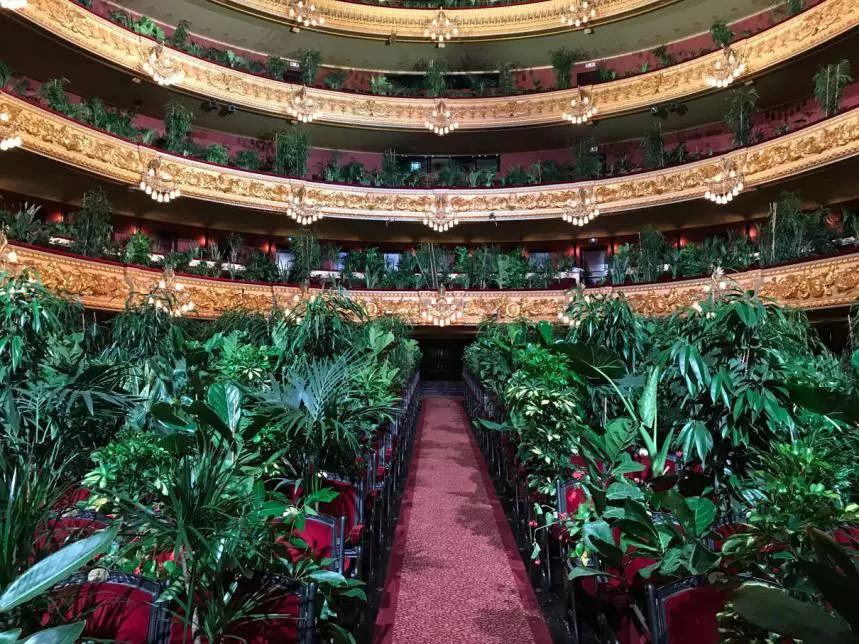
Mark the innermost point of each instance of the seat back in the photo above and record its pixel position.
(685, 611)
(120, 607)
(324, 537)
(569, 496)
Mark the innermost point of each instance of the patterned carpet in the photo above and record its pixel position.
(455, 574)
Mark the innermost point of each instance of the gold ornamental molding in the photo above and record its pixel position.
(76, 25)
(107, 286)
(408, 24)
(57, 137)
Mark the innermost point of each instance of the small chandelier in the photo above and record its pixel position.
(161, 69)
(440, 29)
(728, 182)
(441, 216)
(442, 309)
(301, 106)
(579, 12)
(581, 209)
(302, 208)
(582, 108)
(170, 296)
(158, 183)
(13, 4)
(441, 120)
(8, 138)
(726, 69)
(6, 256)
(304, 13)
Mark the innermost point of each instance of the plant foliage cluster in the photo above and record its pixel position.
(728, 413)
(193, 436)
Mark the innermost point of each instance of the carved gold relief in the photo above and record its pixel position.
(73, 23)
(108, 286)
(54, 136)
(371, 21)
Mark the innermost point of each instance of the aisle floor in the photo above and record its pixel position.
(455, 574)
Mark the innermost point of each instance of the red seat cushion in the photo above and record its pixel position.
(318, 536)
(690, 615)
(119, 612)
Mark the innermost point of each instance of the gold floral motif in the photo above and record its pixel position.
(76, 25)
(56, 137)
(107, 286)
(373, 21)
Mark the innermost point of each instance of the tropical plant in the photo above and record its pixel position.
(291, 151)
(563, 60)
(248, 160)
(177, 128)
(305, 249)
(740, 107)
(721, 34)
(276, 67)
(588, 164)
(653, 147)
(506, 82)
(380, 85)
(5, 74)
(435, 78)
(308, 61)
(90, 227)
(829, 83)
(138, 249)
(335, 80)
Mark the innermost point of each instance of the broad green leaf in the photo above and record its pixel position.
(66, 634)
(702, 560)
(774, 610)
(581, 571)
(696, 438)
(55, 568)
(225, 399)
(703, 514)
(544, 332)
(328, 577)
(10, 637)
(647, 402)
(619, 491)
(592, 361)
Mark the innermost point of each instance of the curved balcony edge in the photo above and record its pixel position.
(57, 137)
(80, 27)
(109, 286)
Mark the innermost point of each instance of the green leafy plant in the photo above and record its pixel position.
(178, 120)
(291, 151)
(335, 80)
(91, 228)
(380, 85)
(740, 107)
(653, 146)
(506, 82)
(563, 60)
(217, 153)
(829, 83)
(588, 164)
(721, 34)
(308, 61)
(248, 160)
(435, 79)
(276, 67)
(138, 248)
(306, 251)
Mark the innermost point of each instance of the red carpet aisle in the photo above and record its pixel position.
(455, 575)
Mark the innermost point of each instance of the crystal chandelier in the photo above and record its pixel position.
(441, 216)
(8, 138)
(170, 296)
(304, 13)
(442, 309)
(581, 209)
(579, 12)
(302, 208)
(301, 106)
(13, 4)
(161, 69)
(441, 120)
(158, 183)
(726, 69)
(440, 29)
(728, 182)
(581, 110)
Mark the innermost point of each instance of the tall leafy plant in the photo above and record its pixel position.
(588, 162)
(721, 34)
(177, 128)
(653, 146)
(91, 228)
(829, 83)
(291, 151)
(435, 79)
(506, 83)
(306, 253)
(740, 107)
(563, 60)
(309, 60)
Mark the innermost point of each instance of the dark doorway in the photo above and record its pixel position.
(442, 358)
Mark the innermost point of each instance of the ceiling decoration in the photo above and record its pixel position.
(814, 27)
(727, 68)
(441, 120)
(54, 136)
(441, 29)
(304, 14)
(157, 182)
(581, 109)
(9, 138)
(161, 69)
(726, 184)
(580, 12)
(582, 208)
(479, 23)
(817, 284)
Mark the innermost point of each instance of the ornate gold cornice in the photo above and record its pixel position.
(76, 25)
(483, 23)
(59, 138)
(108, 286)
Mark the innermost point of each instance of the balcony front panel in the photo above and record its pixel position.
(793, 37)
(109, 286)
(59, 138)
